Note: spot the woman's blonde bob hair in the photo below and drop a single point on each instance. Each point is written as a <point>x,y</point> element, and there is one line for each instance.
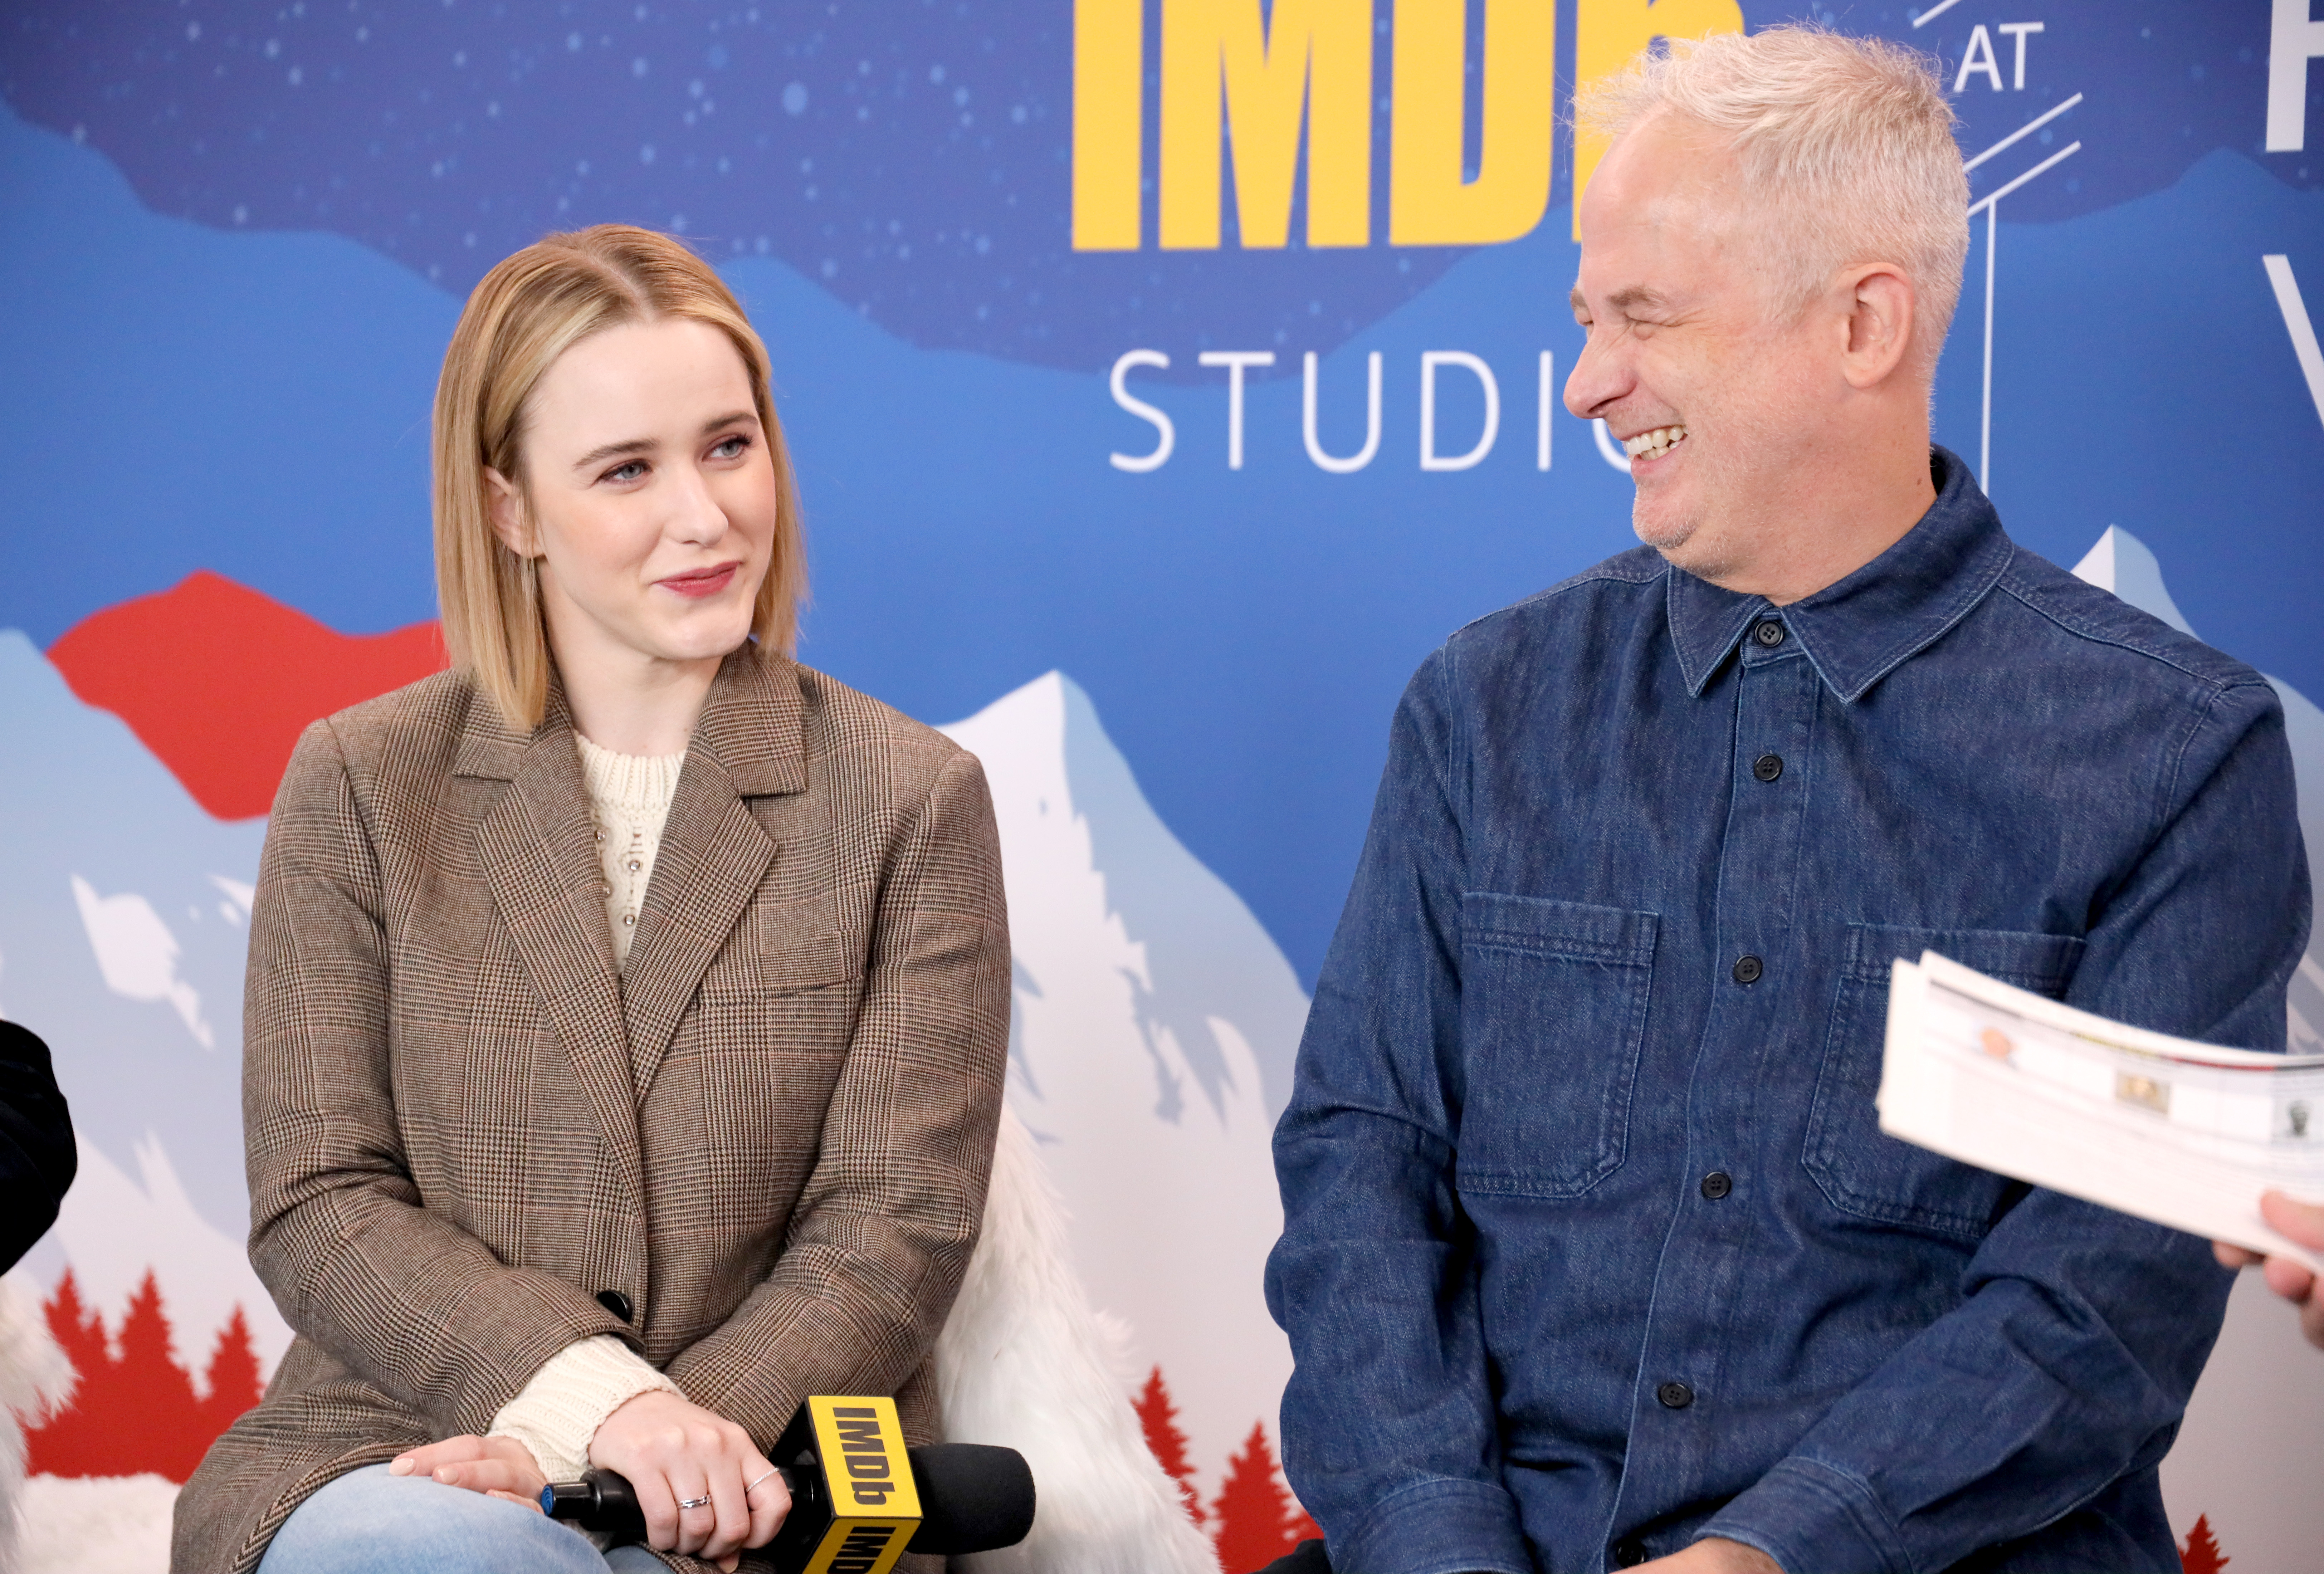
<point>525,313</point>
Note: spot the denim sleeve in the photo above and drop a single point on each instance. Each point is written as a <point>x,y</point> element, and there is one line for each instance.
<point>2070,1359</point>
<point>1389,1432</point>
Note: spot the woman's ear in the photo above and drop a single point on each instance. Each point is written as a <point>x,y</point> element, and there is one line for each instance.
<point>504,504</point>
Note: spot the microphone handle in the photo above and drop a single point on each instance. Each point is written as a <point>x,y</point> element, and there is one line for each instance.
<point>604,1501</point>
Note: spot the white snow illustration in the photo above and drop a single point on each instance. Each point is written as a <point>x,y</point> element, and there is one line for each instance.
<point>1154,1019</point>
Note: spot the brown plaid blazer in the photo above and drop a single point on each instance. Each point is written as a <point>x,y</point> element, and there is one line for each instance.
<point>464,1123</point>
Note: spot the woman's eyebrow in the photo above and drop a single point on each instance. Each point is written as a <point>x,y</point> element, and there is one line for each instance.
<point>615,450</point>
<point>633,445</point>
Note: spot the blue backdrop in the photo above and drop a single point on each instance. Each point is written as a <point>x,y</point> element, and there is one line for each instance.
<point>236,236</point>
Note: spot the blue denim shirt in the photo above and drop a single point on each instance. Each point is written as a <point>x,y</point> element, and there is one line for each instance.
<point>1592,1245</point>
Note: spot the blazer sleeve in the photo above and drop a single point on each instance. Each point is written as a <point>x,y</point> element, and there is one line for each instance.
<point>405,1298</point>
<point>883,1230</point>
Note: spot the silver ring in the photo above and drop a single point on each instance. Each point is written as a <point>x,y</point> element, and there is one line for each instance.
<point>702,1502</point>
<point>754,1486</point>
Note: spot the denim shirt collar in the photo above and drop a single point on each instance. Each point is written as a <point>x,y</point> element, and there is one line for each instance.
<point>1859,629</point>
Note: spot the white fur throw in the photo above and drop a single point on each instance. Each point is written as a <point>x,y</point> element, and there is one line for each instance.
<point>1024,1361</point>
<point>35,1379</point>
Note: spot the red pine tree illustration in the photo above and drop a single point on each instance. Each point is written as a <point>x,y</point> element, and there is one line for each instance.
<point>2201,1554</point>
<point>135,1411</point>
<point>68,1443</point>
<point>233,1379</point>
<point>1257,1519</point>
<point>162,1436</point>
<point>1159,1417</point>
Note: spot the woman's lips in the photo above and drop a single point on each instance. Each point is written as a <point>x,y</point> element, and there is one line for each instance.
<point>709,582</point>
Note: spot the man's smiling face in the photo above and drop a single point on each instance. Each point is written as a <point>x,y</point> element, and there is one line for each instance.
<point>1710,379</point>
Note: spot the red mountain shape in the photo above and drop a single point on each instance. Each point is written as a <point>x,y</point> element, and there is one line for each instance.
<point>218,680</point>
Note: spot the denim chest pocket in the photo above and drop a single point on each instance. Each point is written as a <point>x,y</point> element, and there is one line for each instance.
<point>1553,1014</point>
<point>1861,1169</point>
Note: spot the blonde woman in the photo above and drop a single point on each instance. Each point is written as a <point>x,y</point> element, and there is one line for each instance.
<point>627,1006</point>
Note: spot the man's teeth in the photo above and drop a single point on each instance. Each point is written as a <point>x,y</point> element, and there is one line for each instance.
<point>1651,444</point>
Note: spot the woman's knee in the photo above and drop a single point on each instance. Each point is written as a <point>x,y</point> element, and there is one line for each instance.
<point>368,1521</point>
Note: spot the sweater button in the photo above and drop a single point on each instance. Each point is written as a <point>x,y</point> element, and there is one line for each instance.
<point>614,1301</point>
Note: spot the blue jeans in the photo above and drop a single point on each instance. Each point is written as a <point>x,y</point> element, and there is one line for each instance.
<point>368,1521</point>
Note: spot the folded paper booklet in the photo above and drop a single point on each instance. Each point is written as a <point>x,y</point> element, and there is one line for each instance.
<point>2185,1134</point>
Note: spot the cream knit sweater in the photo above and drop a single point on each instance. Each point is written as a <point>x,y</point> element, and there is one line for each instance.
<point>557,1413</point>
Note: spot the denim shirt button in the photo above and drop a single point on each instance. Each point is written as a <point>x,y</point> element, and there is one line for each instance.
<point>1748,970</point>
<point>1770,632</point>
<point>1717,1184</point>
<point>1630,1552</point>
<point>1767,766</point>
<point>1675,1395</point>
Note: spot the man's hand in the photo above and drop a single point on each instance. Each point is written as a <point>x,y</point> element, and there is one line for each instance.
<point>2299,1221</point>
<point>1714,1555</point>
<point>496,1467</point>
<point>674,1453</point>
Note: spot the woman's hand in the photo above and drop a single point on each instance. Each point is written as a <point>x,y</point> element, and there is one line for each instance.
<point>674,1453</point>
<point>496,1467</point>
<point>2302,1222</point>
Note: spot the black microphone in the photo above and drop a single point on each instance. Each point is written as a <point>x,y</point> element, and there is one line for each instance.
<point>859,1501</point>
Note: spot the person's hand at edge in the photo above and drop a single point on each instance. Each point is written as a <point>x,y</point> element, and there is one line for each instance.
<point>1714,1555</point>
<point>2299,1221</point>
<point>674,1451</point>
<point>497,1467</point>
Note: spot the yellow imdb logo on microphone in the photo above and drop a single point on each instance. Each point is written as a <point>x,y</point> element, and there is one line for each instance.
<point>874,1508</point>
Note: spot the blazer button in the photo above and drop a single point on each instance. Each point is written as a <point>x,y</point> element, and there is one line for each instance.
<point>614,1301</point>
<point>1675,1395</point>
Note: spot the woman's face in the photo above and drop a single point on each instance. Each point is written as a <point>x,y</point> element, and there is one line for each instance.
<point>651,503</point>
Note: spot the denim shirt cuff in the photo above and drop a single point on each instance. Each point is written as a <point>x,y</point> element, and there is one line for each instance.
<point>1438,1527</point>
<point>1810,1517</point>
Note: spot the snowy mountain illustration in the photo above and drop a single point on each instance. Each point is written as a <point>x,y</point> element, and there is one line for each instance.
<point>2121,563</point>
<point>1150,1050</point>
<point>122,940</point>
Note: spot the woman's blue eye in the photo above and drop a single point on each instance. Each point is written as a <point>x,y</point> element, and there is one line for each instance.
<point>731,448</point>
<point>629,472</point>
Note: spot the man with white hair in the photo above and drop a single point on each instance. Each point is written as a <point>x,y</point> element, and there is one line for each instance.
<point>1594,1255</point>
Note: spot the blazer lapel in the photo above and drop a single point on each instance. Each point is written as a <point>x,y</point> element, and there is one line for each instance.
<point>540,856</point>
<point>750,742</point>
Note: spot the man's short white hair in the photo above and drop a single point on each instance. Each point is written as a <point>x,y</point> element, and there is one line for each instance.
<point>1845,147</point>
